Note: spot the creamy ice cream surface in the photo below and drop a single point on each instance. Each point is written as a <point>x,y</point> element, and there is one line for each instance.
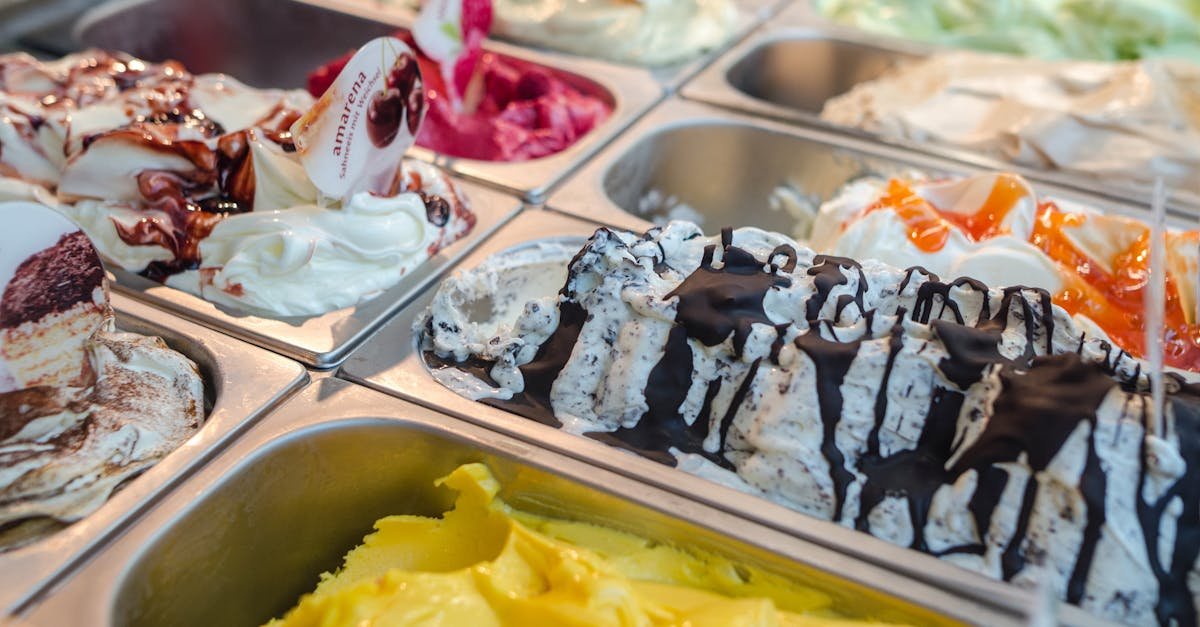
<point>1130,120</point>
<point>83,407</point>
<point>486,563</point>
<point>648,33</point>
<point>194,180</point>
<point>644,32</point>
<point>1050,29</point>
<point>981,425</point>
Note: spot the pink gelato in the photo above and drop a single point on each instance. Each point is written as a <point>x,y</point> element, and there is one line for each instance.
<point>526,111</point>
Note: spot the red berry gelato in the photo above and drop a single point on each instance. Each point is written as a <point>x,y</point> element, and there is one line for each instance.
<point>526,112</point>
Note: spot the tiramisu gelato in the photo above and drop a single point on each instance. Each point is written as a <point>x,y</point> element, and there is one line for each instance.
<point>194,181</point>
<point>1050,29</point>
<point>1131,120</point>
<point>980,425</point>
<point>995,228</point>
<point>522,111</point>
<point>83,407</point>
<point>486,563</point>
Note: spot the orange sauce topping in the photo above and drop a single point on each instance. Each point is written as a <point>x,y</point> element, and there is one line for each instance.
<point>929,227</point>
<point>1113,300</point>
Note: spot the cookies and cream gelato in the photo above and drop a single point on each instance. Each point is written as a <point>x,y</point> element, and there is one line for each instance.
<point>979,424</point>
<point>195,181</point>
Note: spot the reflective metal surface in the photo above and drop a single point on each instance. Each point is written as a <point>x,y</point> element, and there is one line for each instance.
<point>725,166</point>
<point>241,383</point>
<point>788,68</point>
<point>245,537</point>
<point>323,341</point>
<point>275,43</point>
<point>390,362</point>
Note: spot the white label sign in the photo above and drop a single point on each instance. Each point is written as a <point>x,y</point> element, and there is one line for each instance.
<point>354,137</point>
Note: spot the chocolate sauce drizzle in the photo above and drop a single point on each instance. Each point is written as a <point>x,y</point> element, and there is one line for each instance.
<point>1042,401</point>
<point>717,301</point>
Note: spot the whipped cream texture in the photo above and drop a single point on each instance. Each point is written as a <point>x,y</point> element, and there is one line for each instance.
<point>653,32</point>
<point>195,181</point>
<point>1134,120</point>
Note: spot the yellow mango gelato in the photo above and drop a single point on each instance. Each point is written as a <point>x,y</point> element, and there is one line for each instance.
<point>484,563</point>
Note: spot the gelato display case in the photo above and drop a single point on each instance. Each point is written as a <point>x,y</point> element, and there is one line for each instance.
<point>532,312</point>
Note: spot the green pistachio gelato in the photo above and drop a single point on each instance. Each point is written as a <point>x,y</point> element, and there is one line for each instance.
<point>1052,29</point>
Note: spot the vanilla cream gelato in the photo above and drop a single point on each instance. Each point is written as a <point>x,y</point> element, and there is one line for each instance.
<point>1129,120</point>
<point>195,181</point>
<point>1108,30</point>
<point>642,32</point>
<point>83,407</point>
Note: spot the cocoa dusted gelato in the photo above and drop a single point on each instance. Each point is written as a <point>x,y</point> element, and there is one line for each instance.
<point>83,407</point>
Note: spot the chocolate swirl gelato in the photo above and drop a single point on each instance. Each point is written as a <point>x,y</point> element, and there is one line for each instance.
<point>977,424</point>
<point>194,180</point>
<point>83,407</point>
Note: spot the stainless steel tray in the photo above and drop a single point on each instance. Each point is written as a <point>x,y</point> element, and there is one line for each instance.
<point>303,487</point>
<point>752,14</point>
<point>725,165</point>
<point>241,382</point>
<point>276,43</point>
<point>788,68</point>
<point>390,362</point>
<point>323,341</point>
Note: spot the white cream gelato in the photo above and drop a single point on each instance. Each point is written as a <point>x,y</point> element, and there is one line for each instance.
<point>83,407</point>
<point>194,181</point>
<point>643,32</point>
<point>1130,120</point>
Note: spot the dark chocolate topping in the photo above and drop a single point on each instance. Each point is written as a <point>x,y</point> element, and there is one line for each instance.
<point>52,281</point>
<point>714,302</point>
<point>1039,403</point>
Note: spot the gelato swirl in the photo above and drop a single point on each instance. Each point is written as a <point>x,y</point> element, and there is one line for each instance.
<point>1130,120</point>
<point>83,407</point>
<point>165,170</point>
<point>525,569</point>
<point>980,425</point>
<point>1050,29</point>
<point>995,227</point>
<point>651,33</point>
